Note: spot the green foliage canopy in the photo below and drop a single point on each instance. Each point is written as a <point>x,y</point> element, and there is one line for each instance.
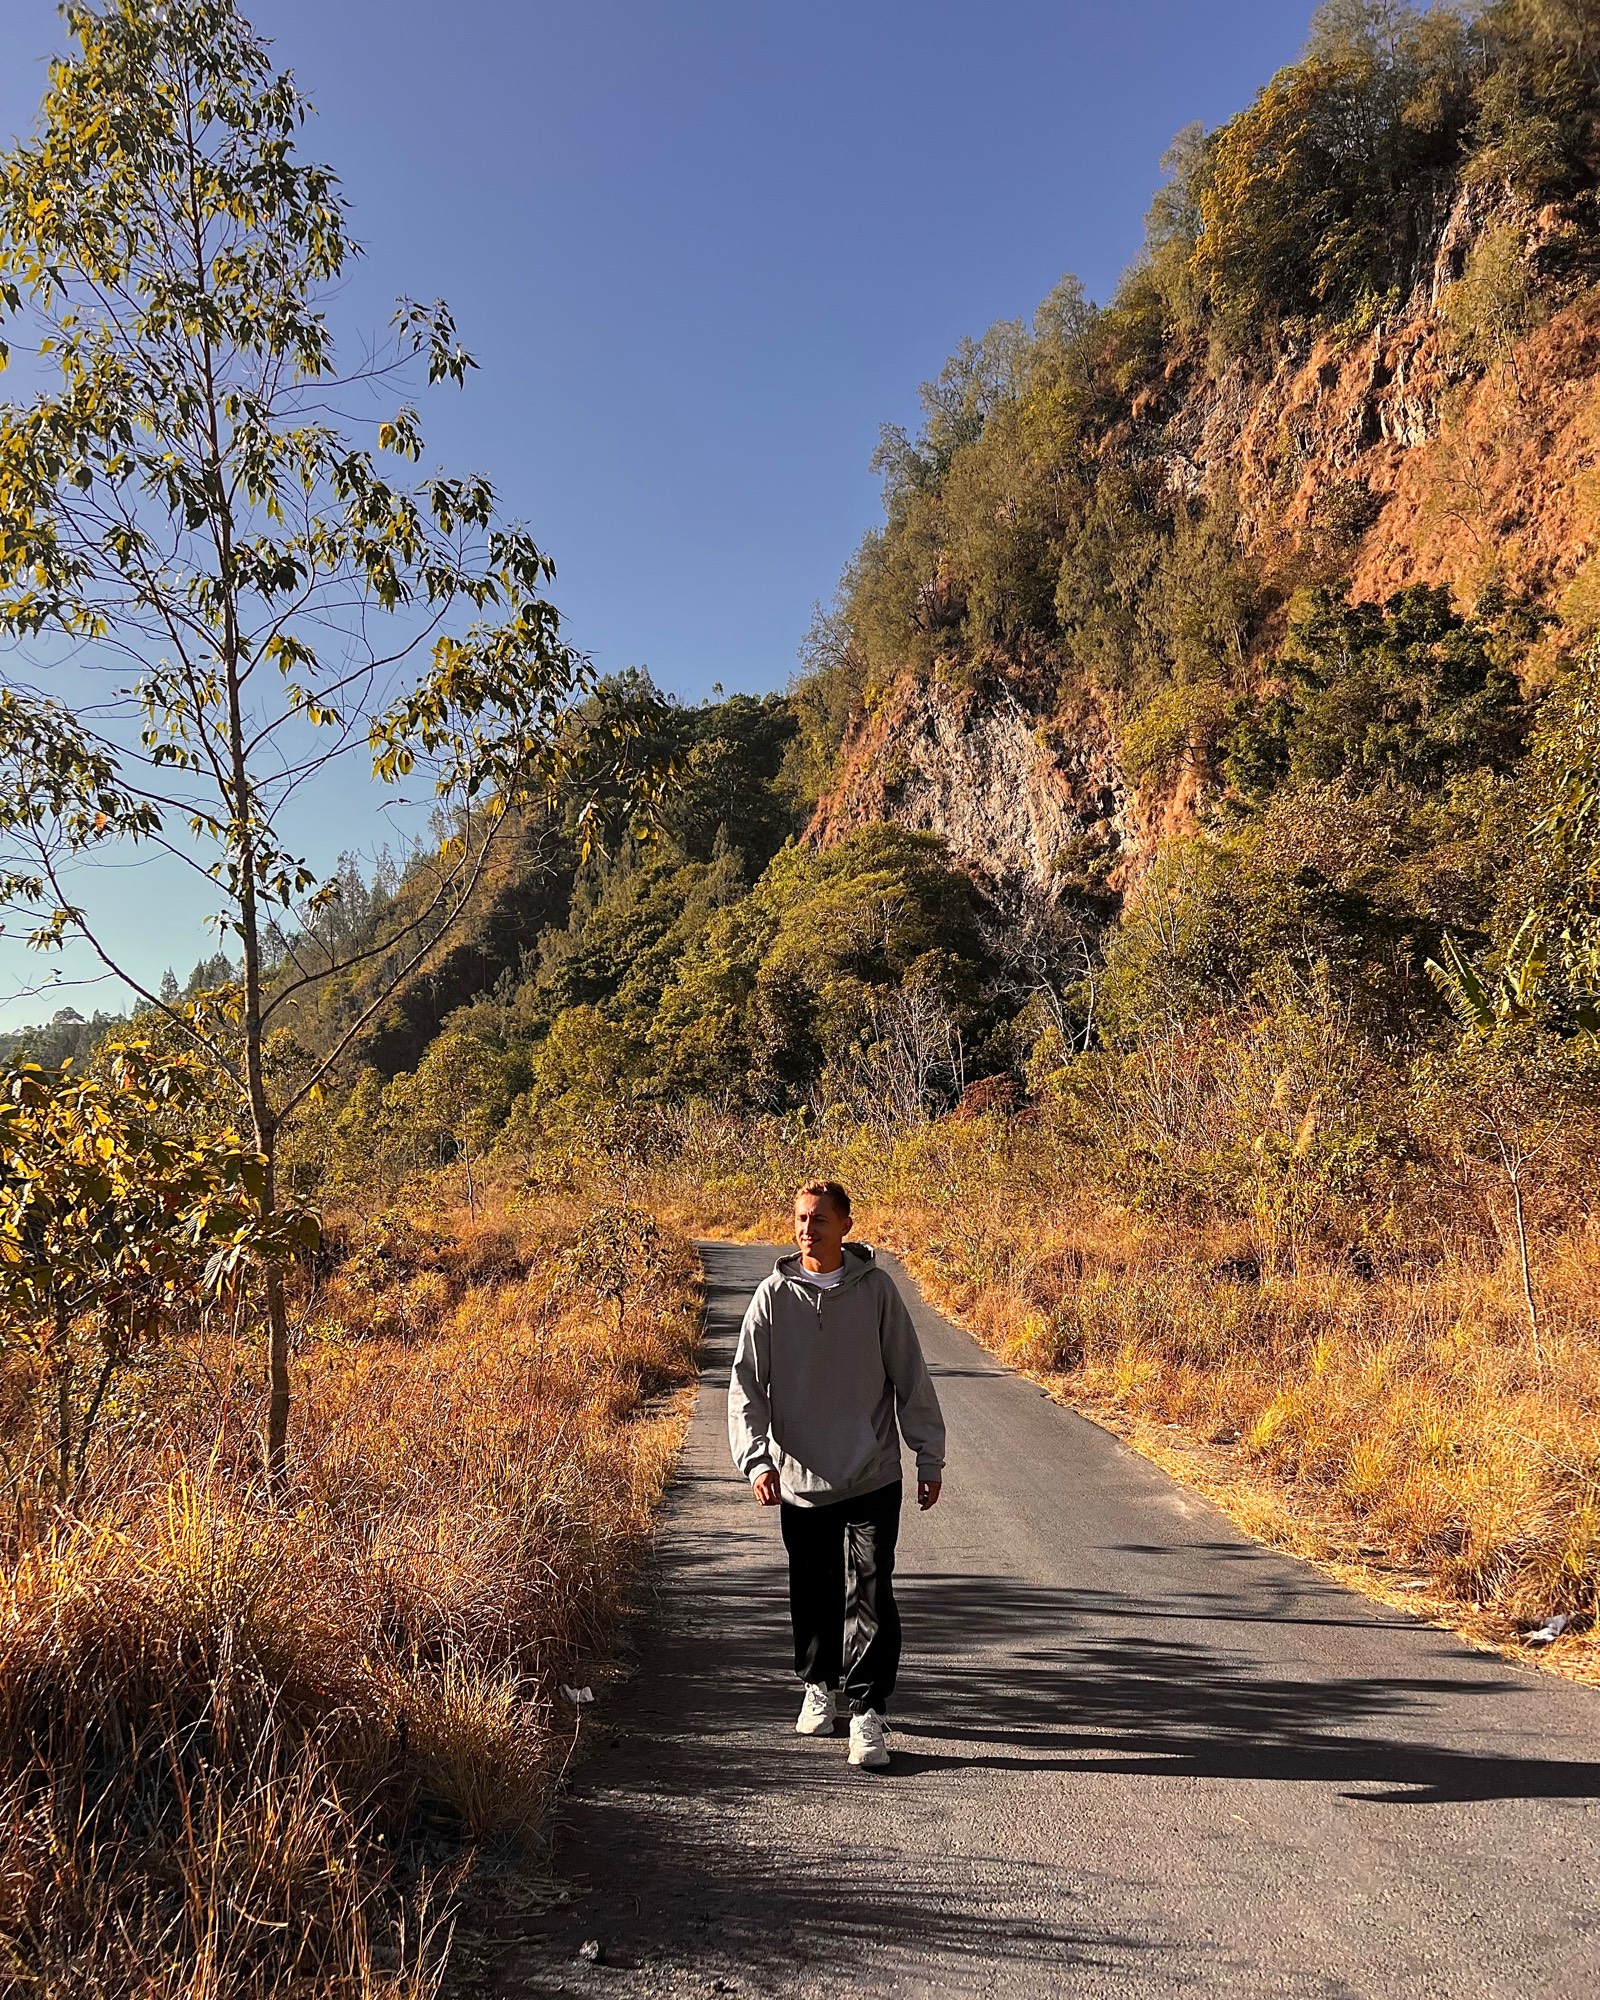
<point>1407,693</point>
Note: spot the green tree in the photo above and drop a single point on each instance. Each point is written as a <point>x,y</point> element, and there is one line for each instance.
<point>616,1259</point>
<point>122,1200</point>
<point>1407,693</point>
<point>1536,126</point>
<point>369,1145</point>
<point>825,697</point>
<point>210,512</point>
<point>1495,302</point>
<point>456,1094</point>
<point>788,990</point>
<point>1172,227</point>
<point>1308,200</point>
<point>724,757</point>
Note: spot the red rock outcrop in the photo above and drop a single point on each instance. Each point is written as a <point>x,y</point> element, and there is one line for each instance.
<point>1380,458</point>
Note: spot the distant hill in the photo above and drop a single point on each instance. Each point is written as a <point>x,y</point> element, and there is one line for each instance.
<point>67,1034</point>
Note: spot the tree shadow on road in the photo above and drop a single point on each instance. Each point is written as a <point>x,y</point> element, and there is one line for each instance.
<point>1055,1676</point>
<point>707,1836</point>
<point>1074,1692</point>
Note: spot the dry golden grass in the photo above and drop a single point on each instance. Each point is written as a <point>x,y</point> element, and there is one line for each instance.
<point>1399,1429</point>
<point>235,1729</point>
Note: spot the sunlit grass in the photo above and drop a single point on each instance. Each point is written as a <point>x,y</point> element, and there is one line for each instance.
<point>1403,1421</point>
<point>227,1721</point>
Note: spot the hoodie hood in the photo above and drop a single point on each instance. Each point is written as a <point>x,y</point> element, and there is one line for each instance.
<point>858,1261</point>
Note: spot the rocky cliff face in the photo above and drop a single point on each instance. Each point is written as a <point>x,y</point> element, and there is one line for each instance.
<point>1424,476</point>
<point>1010,798</point>
<point>1381,459</point>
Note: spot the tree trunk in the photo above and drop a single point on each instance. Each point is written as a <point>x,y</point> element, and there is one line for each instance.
<point>277,1378</point>
<point>242,804</point>
<point>91,1415</point>
<point>63,1420</point>
<point>238,795</point>
<point>1527,1271</point>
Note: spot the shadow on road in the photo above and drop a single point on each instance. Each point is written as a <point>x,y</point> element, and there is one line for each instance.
<point>668,1830</point>
<point>1066,1692</point>
<point>1073,1696</point>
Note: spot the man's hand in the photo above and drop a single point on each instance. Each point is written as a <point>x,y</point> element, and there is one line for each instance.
<point>765,1488</point>
<point>928,1491</point>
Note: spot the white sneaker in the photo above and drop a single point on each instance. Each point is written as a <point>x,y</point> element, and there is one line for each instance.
<point>816,1711</point>
<point>867,1746</point>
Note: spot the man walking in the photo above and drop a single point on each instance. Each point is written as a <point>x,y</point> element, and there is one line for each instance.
<point>827,1359</point>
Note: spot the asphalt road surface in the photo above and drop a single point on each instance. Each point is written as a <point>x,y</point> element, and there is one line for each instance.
<point>1133,1754</point>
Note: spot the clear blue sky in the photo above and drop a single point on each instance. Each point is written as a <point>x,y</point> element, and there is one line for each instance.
<point>703,248</point>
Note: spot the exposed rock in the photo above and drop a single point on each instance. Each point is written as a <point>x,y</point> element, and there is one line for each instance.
<point>1468,473</point>
<point>1375,457</point>
<point>977,769</point>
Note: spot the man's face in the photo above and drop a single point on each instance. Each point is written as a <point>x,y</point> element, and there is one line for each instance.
<point>820,1230</point>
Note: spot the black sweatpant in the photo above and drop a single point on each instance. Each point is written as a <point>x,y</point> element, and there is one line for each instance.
<point>841,1594</point>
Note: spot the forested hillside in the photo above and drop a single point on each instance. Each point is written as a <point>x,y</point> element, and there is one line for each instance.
<point>1169,890</point>
<point>1258,597</point>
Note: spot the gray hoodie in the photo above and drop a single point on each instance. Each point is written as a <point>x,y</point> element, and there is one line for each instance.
<point>816,1380</point>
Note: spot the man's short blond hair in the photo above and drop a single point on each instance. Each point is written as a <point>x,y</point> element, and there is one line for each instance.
<point>831,1189</point>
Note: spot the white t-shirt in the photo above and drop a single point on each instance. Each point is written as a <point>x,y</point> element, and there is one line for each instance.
<point>823,1280</point>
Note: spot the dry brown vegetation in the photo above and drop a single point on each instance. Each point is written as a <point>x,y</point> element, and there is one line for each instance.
<point>1385,1413</point>
<point>250,1745</point>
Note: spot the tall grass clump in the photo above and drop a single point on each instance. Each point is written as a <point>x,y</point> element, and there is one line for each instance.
<point>250,1739</point>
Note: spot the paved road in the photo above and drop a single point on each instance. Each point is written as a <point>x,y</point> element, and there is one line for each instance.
<point>1134,1754</point>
